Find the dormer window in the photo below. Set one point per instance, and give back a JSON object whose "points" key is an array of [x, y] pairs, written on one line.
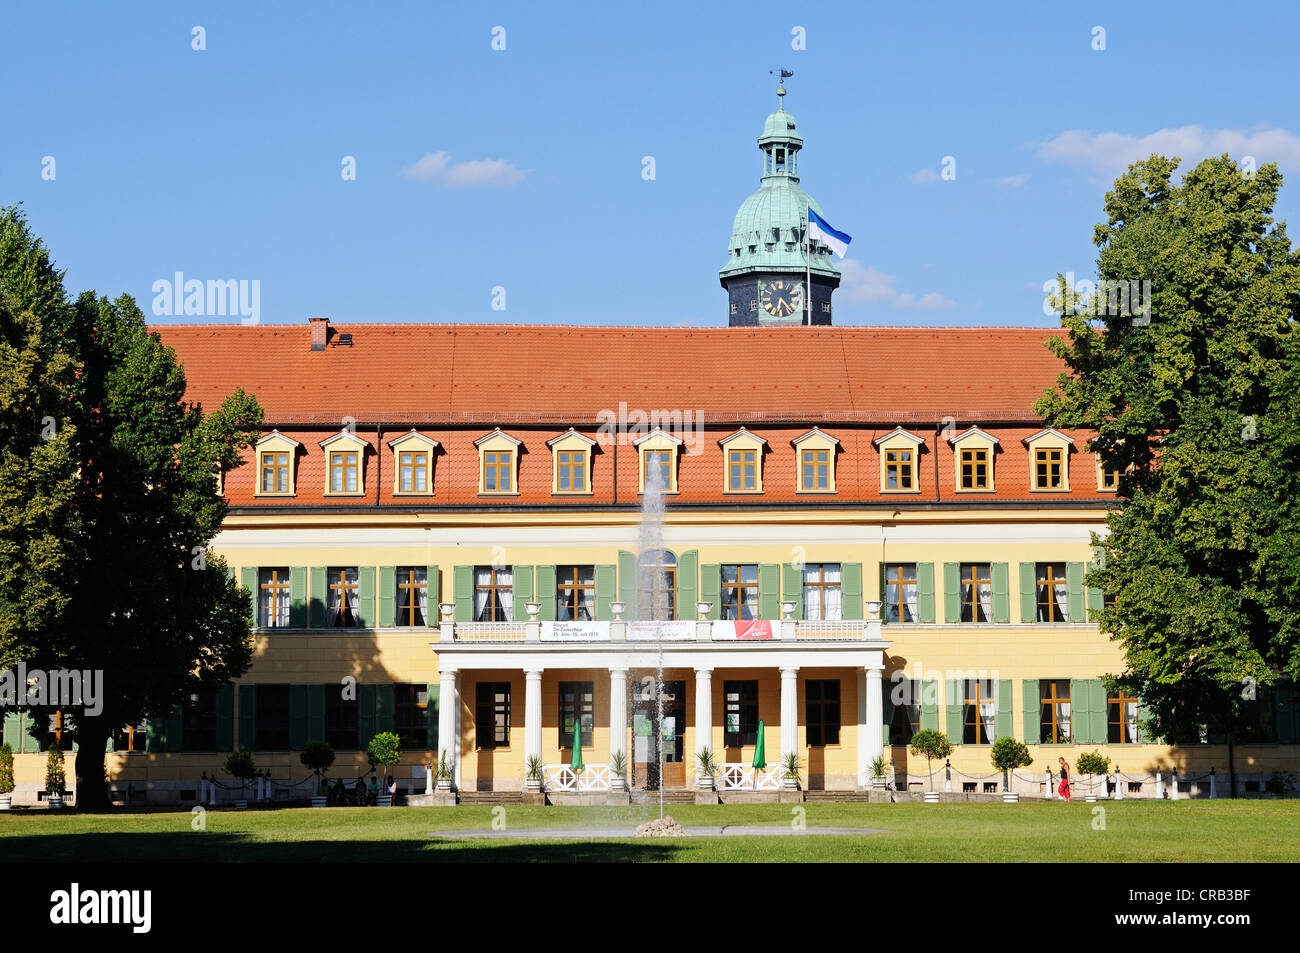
{"points": [[1049, 461], [742, 455], [571, 462], [658, 452], [815, 453], [413, 455], [899, 461], [345, 464], [276, 455], [498, 460], [973, 452]]}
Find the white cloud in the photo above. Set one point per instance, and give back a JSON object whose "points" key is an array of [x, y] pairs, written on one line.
{"points": [[1011, 181], [924, 176], [1110, 153], [437, 167], [862, 284]]}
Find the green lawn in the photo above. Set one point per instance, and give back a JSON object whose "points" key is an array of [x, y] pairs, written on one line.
{"points": [[1196, 831]]}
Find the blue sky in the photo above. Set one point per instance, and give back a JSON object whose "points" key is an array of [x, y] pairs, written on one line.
{"points": [[522, 168]]}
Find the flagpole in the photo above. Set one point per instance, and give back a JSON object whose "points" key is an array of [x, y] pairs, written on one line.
{"points": [[807, 260]]}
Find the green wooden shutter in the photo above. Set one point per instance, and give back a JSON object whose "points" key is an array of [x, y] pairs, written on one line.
{"points": [[1032, 714], [1081, 712], [883, 582], [1096, 600], [154, 735], [930, 706], [792, 587], [32, 733], [463, 593], [627, 582], [1284, 713], [226, 718], [13, 728], [1028, 592], [319, 593], [1074, 590], [110, 746], [366, 598], [297, 717], [365, 715], [925, 592], [711, 588], [173, 732], [433, 595], [1097, 710], [248, 717], [851, 606], [1004, 721], [955, 702], [688, 584], [248, 577], [1144, 733], [315, 712], [952, 592], [547, 593], [298, 597], [1001, 575], [385, 707], [604, 592], [431, 729], [388, 596], [769, 591], [521, 584]]}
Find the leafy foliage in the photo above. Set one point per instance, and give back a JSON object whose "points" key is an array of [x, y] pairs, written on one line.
{"points": [[6, 769], [55, 779], [317, 756], [1009, 754], [1199, 410], [931, 745], [445, 773], [790, 764], [707, 762], [1092, 762], [240, 765], [385, 749]]}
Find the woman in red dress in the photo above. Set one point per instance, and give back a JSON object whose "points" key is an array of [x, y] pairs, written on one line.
{"points": [[1064, 789]]}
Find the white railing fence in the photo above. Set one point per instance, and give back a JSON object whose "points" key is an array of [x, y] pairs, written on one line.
{"points": [[561, 777], [743, 777], [822, 631], [491, 631]]}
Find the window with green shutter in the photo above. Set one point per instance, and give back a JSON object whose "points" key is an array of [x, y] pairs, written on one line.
{"points": [[954, 698], [547, 595], [925, 592], [605, 578], [463, 593], [930, 706], [298, 596], [792, 584], [711, 588], [1001, 574], [688, 586], [522, 580], [1028, 593]]}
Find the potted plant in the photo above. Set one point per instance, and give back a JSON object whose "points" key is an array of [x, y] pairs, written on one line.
{"points": [[54, 778], [385, 748], [931, 745], [6, 777], [1092, 762], [446, 775], [790, 774], [617, 766], [240, 766], [708, 767], [1007, 755], [318, 756], [878, 771], [532, 778]]}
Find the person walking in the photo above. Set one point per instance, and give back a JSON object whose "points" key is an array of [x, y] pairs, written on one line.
{"points": [[1064, 789]]}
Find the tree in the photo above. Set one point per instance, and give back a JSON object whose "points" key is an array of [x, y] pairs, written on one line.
{"points": [[931, 745], [142, 600], [1195, 404], [1007, 755]]}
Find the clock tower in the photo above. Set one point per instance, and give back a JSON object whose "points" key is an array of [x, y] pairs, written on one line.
{"points": [[769, 268]]}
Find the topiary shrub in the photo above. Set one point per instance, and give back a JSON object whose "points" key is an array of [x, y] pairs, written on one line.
{"points": [[54, 776], [385, 748], [931, 745], [6, 769], [1007, 755], [239, 765], [318, 756], [1092, 762]]}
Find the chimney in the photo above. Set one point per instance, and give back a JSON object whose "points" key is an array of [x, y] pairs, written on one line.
{"points": [[320, 332]]}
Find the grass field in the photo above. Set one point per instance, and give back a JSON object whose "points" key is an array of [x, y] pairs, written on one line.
{"points": [[1195, 831]]}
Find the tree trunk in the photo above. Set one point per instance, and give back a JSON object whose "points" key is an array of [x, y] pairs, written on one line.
{"points": [[92, 785], [1232, 771]]}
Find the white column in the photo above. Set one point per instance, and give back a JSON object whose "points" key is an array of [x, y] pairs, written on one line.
{"points": [[532, 714], [448, 709], [875, 718], [789, 711], [703, 715], [617, 715]]}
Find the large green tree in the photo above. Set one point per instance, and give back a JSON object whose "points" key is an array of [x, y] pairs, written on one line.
{"points": [[1196, 403], [144, 601]]}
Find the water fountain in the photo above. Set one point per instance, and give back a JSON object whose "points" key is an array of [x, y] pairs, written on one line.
{"points": [[649, 546]]}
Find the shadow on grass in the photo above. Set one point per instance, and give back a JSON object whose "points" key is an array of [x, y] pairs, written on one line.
{"points": [[205, 847]]}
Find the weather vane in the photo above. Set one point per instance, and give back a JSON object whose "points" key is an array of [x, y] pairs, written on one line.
{"points": [[780, 89]]}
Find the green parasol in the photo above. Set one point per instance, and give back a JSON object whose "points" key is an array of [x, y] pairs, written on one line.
{"points": [[759, 761], [576, 762]]}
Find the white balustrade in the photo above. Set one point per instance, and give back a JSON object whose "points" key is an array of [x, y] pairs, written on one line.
{"points": [[847, 629], [744, 777], [561, 777], [491, 631]]}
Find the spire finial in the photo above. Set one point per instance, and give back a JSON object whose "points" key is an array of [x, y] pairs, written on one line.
{"points": [[780, 89]]}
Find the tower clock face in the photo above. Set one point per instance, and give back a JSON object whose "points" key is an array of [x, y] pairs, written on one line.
{"points": [[782, 298]]}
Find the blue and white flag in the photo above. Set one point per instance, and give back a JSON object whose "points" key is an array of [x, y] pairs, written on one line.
{"points": [[818, 227]]}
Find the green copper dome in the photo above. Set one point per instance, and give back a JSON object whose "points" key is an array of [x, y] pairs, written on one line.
{"points": [[768, 232]]}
